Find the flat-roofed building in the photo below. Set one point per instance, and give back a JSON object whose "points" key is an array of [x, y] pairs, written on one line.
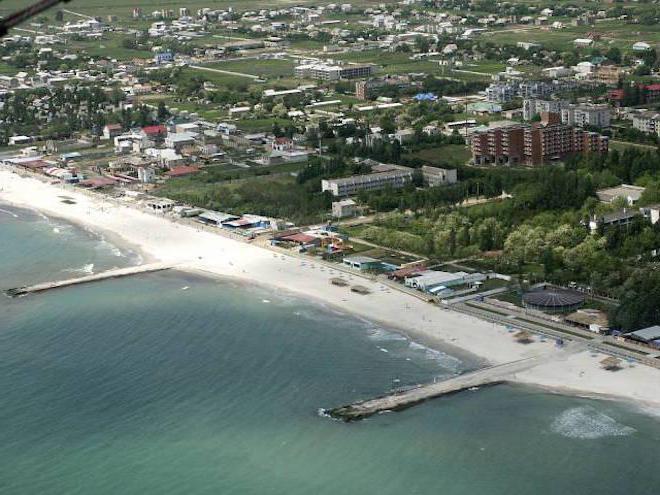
{"points": [[647, 122], [614, 219], [369, 182], [362, 262], [499, 146], [582, 115], [534, 144], [630, 193], [649, 335], [344, 208], [430, 279], [586, 115], [435, 176], [327, 72]]}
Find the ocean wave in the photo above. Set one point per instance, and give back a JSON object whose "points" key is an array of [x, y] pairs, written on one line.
{"points": [[106, 246], [7, 212], [445, 360], [587, 423], [87, 269], [382, 335]]}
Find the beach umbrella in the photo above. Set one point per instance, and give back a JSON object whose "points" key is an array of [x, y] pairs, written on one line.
{"points": [[611, 363]]}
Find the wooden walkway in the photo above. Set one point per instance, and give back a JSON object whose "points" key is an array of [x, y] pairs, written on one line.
{"points": [[402, 400], [117, 273]]}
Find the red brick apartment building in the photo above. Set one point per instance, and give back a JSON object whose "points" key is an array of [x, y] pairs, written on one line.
{"points": [[523, 144]]}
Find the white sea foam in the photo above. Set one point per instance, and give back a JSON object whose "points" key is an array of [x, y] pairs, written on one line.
{"points": [[588, 423], [7, 212], [380, 334], [442, 358], [56, 230], [87, 269], [105, 245]]}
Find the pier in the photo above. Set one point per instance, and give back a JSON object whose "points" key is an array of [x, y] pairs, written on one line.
{"points": [[398, 401], [116, 273]]}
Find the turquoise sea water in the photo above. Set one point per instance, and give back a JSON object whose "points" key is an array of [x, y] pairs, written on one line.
{"points": [[173, 384]]}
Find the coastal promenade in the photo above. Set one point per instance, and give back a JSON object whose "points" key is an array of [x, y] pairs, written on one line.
{"points": [[117, 273], [398, 401]]}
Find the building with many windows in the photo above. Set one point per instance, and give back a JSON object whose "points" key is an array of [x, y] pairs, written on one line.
{"points": [[396, 178], [435, 176], [533, 144], [327, 72], [647, 122], [366, 90], [586, 115], [582, 115]]}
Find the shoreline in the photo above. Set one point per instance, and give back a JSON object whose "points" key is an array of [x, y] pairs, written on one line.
{"points": [[208, 254]]}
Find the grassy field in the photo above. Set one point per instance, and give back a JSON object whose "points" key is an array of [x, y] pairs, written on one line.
{"points": [[261, 125], [623, 145], [392, 63], [109, 46], [450, 154], [7, 69], [124, 8], [263, 68], [613, 33], [204, 111]]}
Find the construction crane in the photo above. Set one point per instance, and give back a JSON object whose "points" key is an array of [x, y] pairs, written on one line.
{"points": [[23, 15]]}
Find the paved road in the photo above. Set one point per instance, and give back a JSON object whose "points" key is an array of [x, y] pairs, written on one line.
{"points": [[228, 72]]}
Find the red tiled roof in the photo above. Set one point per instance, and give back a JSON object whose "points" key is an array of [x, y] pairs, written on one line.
{"points": [[300, 238], [653, 87], [182, 170], [34, 164], [405, 272], [154, 129], [98, 182], [616, 94]]}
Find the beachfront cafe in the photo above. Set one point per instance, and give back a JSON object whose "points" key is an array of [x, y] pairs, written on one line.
{"points": [[248, 223], [366, 263], [215, 218]]}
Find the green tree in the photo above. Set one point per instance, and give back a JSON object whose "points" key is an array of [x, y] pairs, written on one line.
{"points": [[639, 301]]}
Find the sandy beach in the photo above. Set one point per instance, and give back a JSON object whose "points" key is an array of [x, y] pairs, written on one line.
{"points": [[194, 249]]}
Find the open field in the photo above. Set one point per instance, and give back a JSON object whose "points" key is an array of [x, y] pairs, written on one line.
{"points": [[110, 46], [623, 145], [123, 8], [261, 125], [613, 33], [450, 154], [264, 68]]}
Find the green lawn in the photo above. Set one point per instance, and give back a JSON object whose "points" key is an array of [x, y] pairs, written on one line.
{"points": [[261, 125], [263, 68], [109, 46], [204, 111], [450, 154], [7, 69], [622, 145]]}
